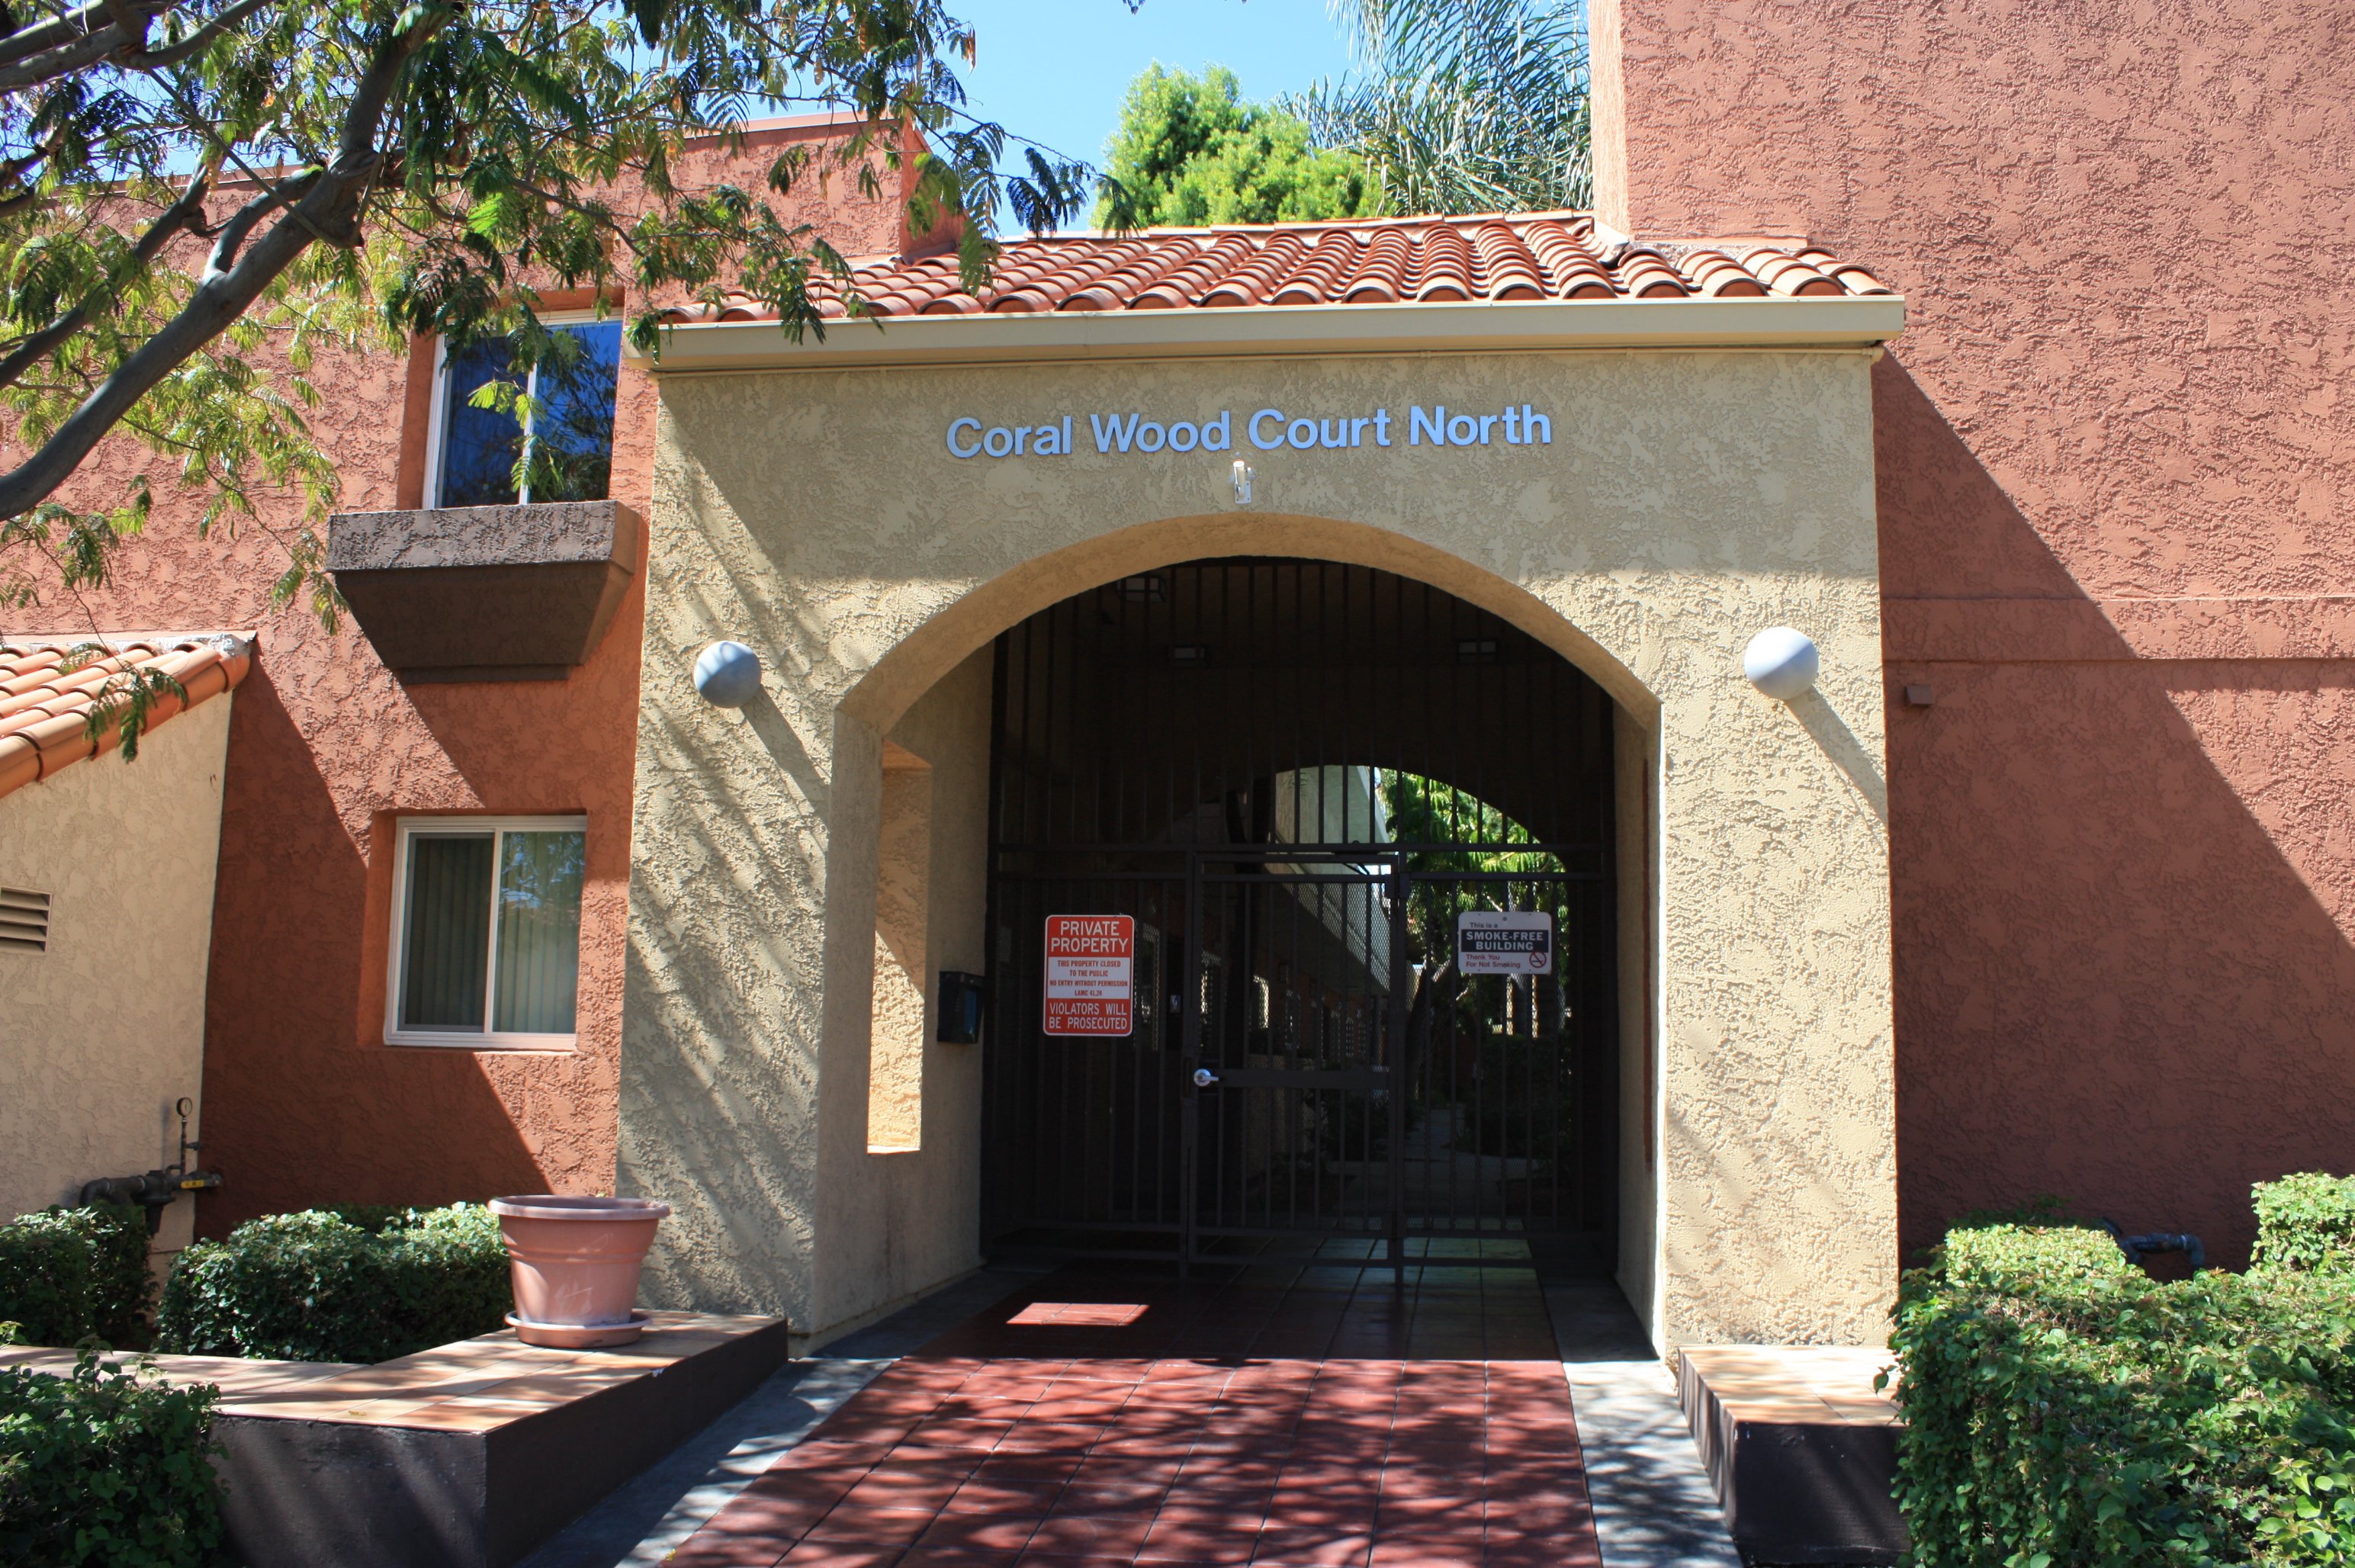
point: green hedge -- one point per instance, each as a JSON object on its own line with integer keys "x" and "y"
{"x": 2063, "y": 1409}
{"x": 102, "y": 1467}
{"x": 2306, "y": 1224}
{"x": 68, "y": 1274}
{"x": 316, "y": 1286}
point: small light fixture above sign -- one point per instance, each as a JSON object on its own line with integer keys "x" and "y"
{"x": 1242, "y": 472}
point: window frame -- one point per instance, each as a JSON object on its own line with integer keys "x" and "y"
{"x": 485, "y": 1038}
{"x": 437, "y": 419}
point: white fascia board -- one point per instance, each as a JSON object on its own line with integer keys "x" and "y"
{"x": 1235, "y": 332}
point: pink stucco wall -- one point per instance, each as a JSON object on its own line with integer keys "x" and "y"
{"x": 2118, "y": 467}
{"x": 304, "y": 1103}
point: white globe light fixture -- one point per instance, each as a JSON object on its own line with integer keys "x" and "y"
{"x": 728, "y": 674}
{"x": 1781, "y": 663}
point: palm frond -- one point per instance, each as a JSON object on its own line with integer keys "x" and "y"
{"x": 1462, "y": 106}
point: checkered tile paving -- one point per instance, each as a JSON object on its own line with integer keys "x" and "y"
{"x": 1094, "y": 1421}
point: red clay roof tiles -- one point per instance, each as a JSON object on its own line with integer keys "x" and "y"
{"x": 48, "y": 690}
{"x": 1524, "y": 256}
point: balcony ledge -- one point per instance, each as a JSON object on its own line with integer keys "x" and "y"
{"x": 520, "y": 593}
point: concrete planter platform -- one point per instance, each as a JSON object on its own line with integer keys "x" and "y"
{"x": 468, "y": 1455}
{"x": 1801, "y": 1447}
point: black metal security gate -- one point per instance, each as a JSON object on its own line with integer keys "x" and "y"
{"x": 1304, "y": 783}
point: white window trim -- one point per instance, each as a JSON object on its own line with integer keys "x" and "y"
{"x": 438, "y": 419}
{"x": 484, "y": 1040}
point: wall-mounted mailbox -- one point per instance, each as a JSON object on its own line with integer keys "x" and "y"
{"x": 961, "y": 999}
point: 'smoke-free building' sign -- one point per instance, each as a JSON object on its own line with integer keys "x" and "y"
{"x": 1504, "y": 942}
{"x": 1090, "y": 974}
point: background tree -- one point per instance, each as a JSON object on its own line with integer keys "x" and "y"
{"x": 183, "y": 182}
{"x": 1189, "y": 151}
{"x": 1462, "y": 106}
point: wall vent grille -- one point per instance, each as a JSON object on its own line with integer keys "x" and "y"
{"x": 23, "y": 920}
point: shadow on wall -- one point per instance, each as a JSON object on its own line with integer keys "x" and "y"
{"x": 2114, "y": 982}
{"x": 1823, "y": 721}
{"x": 692, "y": 1111}
{"x": 298, "y": 1110}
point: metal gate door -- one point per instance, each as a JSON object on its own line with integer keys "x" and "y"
{"x": 1290, "y": 1050}
{"x": 1300, "y": 782}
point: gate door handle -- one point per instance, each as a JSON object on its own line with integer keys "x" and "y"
{"x": 1204, "y": 1078}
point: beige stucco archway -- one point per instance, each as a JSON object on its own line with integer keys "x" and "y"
{"x": 1687, "y": 499}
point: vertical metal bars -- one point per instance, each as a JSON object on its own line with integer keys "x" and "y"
{"x": 1298, "y": 777}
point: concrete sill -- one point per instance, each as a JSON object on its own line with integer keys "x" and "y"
{"x": 486, "y": 593}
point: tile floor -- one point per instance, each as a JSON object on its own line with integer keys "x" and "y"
{"x": 1282, "y": 1416}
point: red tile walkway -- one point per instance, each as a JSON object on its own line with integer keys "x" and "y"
{"x": 1286, "y": 1417}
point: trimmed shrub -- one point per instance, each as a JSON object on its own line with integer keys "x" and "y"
{"x": 2063, "y": 1409}
{"x": 69, "y": 1274}
{"x": 103, "y": 1468}
{"x": 2306, "y": 1224}
{"x": 315, "y": 1287}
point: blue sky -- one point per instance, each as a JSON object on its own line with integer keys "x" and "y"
{"x": 1054, "y": 71}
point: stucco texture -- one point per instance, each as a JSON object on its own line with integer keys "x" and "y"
{"x": 102, "y": 1033}
{"x": 306, "y": 1104}
{"x": 2116, "y": 463}
{"x": 1687, "y": 500}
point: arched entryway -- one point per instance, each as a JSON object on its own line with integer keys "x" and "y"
{"x": 805, "y": 870}
{"x": 1301, "y": 928}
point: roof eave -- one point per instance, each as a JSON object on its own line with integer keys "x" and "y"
{"x": 1248, "y": 330}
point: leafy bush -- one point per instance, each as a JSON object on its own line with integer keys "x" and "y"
{"x": 66, "y": 1273}
{"x": 103, "y": 1468}
{"x": 2063, "y": 1409}
{"x": 2306, "y": 1224}
{"x": 315, "y": 1287}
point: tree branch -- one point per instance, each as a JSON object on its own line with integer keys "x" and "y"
{"x": 181, "y": 214}
{"x": 330, "y": 208}
{"x": 55, "y": 49}
{"x": 48, "y": 34}
{"x": 195, "y": 43}
{"x": 232, "y": 236}
{"x": 63, "y": 60}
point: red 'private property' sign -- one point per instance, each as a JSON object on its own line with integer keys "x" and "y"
{"x": 1090, "y": 974}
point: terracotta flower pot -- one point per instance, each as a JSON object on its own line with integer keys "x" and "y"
{"x": 575, "y": 1264}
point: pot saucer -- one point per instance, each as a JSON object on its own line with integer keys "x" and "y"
{"x": 577, "y": 1335}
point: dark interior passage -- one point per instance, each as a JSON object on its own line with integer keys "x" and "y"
{"x": 1357, "y": 835}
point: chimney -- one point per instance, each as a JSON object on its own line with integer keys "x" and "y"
{"x": 1707, "y": 118}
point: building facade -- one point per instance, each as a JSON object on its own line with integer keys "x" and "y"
{"x": 1996, "y": 349}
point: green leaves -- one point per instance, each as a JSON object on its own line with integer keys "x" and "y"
{"x": 2062, "y": 1408}
{"x": 1189, "y": 151}
{"x": 365, "y": 170}
{"x": 361, "y": 1284}
{"x": 1463, "y": 105}
{"x": 70, "y": 1274}
{"x": 2306, "y": 1224}
{"x": 105, "y": 1467}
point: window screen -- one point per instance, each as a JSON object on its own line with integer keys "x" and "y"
{"x": 540, "y": 932}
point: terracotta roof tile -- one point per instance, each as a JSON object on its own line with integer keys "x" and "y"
{"x": 1501, "y": 257}
{"x": 48, "y": 690}
{"x": 1722, "y": 277}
